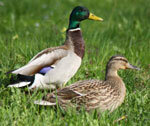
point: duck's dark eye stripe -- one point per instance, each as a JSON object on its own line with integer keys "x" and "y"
{"x": 122, "y": 60}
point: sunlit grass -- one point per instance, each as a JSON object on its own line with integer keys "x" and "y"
{"x": 27, "y": 27}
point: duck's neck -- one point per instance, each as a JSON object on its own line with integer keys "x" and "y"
{"x": 73, "y": 24}
{"x": 75, "y": 41}
{"x": 111, "y": 73}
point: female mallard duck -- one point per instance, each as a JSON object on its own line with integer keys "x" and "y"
{"x": 53, "y": 67}
{"x": 94, "y": 94}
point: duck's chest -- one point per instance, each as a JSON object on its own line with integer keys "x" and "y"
{"x": 119, "y": 98}
{"x": 112, "y": 95}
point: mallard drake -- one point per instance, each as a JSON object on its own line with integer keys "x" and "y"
{"x": 93, "y": 94}
{"x": 53, "y": 67}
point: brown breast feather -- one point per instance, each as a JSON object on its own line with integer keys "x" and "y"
{"x": 75, "y": 39}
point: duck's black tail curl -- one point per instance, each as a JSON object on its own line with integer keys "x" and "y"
{"x": 20, "y": 80}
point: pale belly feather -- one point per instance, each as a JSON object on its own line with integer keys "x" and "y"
{"x": 64, "y": 70}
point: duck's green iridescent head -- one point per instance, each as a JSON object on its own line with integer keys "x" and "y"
{"x": 79, "y": 14}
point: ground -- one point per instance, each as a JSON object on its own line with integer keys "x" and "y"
{"x": 29, "y": 26}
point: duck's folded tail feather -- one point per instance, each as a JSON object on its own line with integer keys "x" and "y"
{"x": 45, "y": 103}
{"x": 20, "y": 84}
{"x": 21, "y": 81}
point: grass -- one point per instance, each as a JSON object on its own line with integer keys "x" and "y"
{"x": 27, "y": 27}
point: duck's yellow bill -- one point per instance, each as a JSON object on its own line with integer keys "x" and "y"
{"x": 93, "y": 17}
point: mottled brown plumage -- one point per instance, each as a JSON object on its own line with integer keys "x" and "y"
{"x": 94, "y": 94}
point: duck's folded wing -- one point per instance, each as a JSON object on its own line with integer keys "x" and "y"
{"x": 68, "y": 94}
{"x": 85, "y": 86}
{"x": 62, "y": 95}
{"x": 88, "y": 101}
{"x": 77, "y": 93}
{"x": 43, "y": 59}
{"x": 78, "y": 89}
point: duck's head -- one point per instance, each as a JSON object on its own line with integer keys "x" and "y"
{"x": 79, "y": 14}
{"x": 120, "y": 62}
